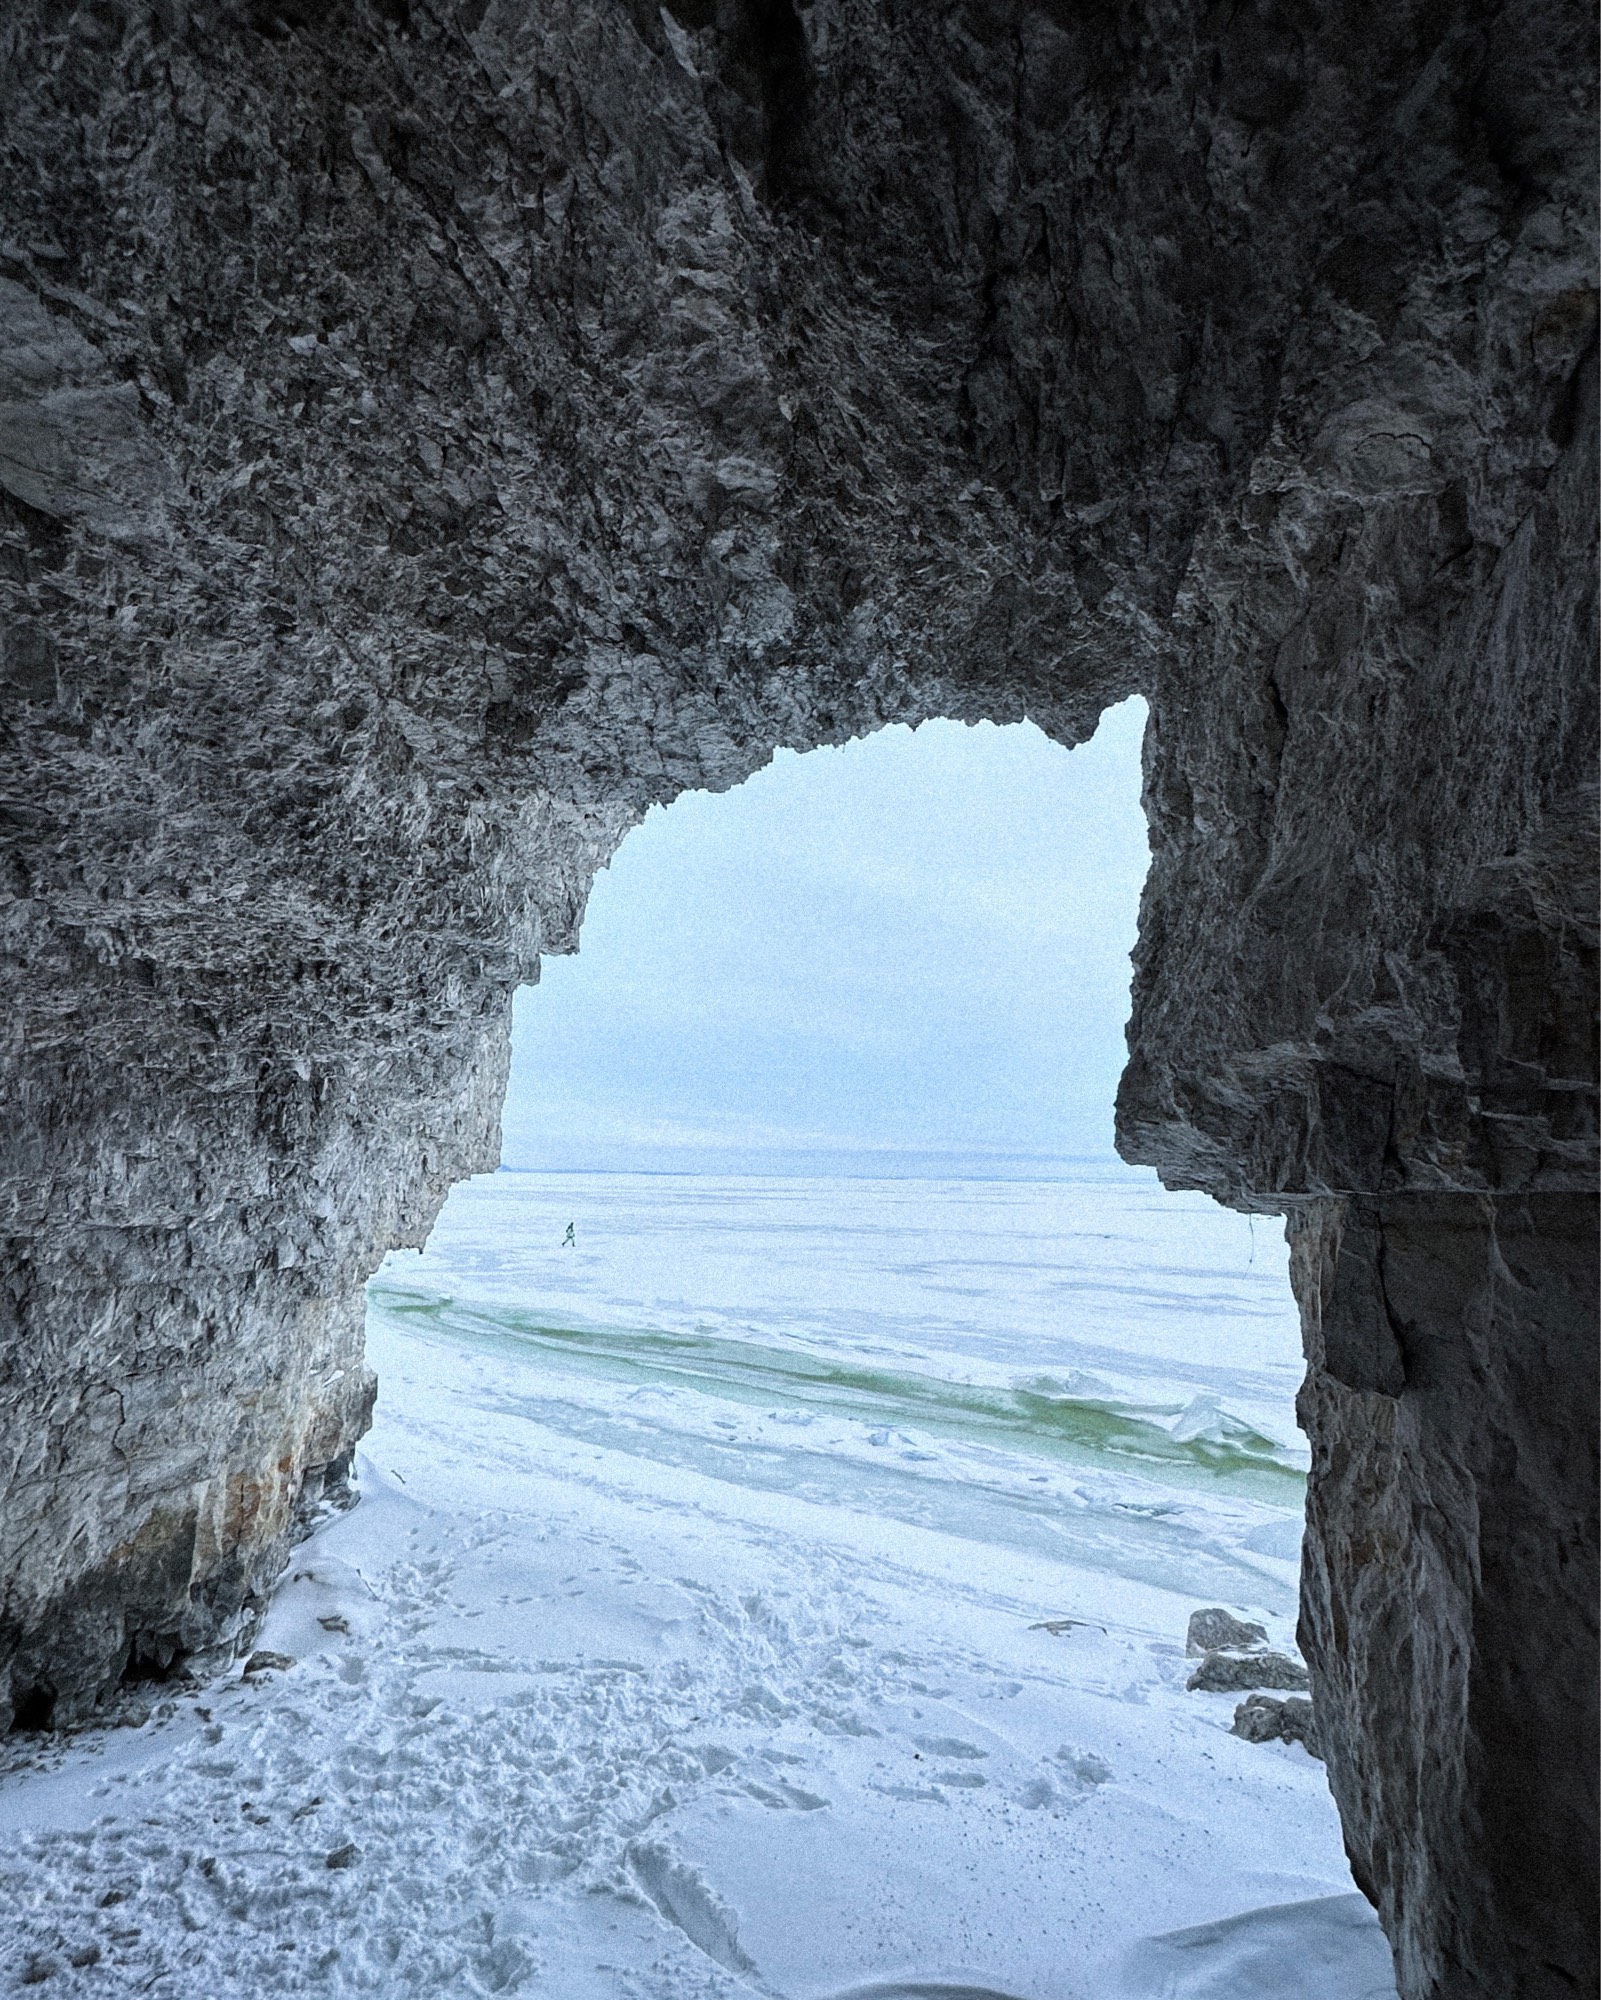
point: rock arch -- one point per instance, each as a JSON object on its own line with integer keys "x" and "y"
{"x": 431, "y": 430}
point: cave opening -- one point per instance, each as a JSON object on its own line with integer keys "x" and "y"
{"x": 881, "y": 1415}
{"x": 33, "y": 1708}
{"x": 155, "y": 1659}
{"x": 886, "y": 972}
{"x": 908, "y": 953}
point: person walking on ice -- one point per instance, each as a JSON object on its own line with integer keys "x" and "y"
{"x": 569, "y": 1241}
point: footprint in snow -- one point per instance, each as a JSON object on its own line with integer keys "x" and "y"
{"x": 684, "y": 1897}
{"x": 948, "y": 1746}
{"x": 786, "y": 1798}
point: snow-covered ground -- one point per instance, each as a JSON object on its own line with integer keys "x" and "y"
{"x": 780, "y": 1592}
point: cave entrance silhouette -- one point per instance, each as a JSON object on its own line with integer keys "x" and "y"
{"x": 781, "y": 1244}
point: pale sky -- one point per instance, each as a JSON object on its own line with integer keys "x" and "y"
{"x": 908, "y": 954}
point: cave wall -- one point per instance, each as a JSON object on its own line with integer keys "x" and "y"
{"x": 1450, "y": 1404}
{"x": 431, "y": 433}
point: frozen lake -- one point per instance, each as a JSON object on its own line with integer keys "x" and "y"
{"x": 778, "y": 1590}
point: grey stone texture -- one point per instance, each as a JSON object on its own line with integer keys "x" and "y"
{"x": 1262, "y": 1718}
{"x": 1227, "y": 1673}
{"x": 433, "y": 430}
{"x": 1216, "y": 1628}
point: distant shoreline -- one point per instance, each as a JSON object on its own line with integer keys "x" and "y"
{"x": 1089, "y": 1170}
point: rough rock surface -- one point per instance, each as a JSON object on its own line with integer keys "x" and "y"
{"x": 431, "y": 430}
{"x": 1262, "y": 1719}
{"x": 1216, "y": 1628}
{"x": 1228, "y": 1673}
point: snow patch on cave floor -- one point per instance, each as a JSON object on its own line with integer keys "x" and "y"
{"x": 584, "y": 1708}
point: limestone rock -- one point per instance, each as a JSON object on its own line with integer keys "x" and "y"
{"x": 1223, "y": 1673}
{"x": 1263, "y": 1719}
{"x": 1215, "y": 1629}
{"x": 264, "y": 1662}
